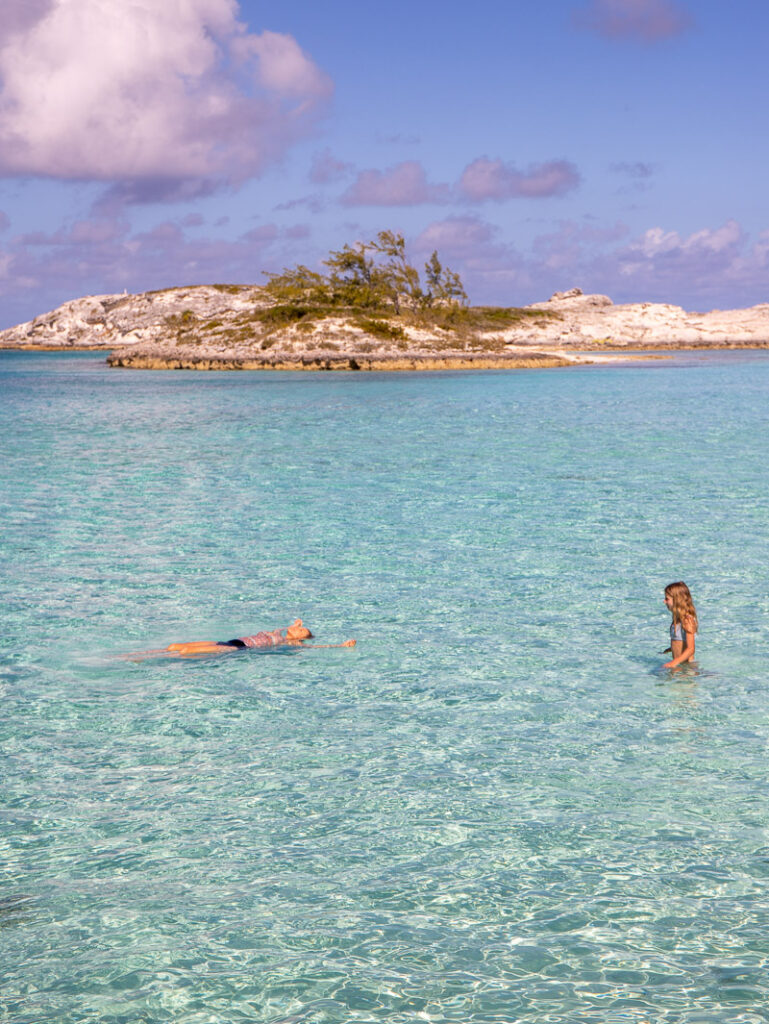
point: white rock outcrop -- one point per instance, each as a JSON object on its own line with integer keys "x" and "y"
{"x": 216, "y": 314}
{"x": 591, "y": 319}
{"x": 109, "y": 321}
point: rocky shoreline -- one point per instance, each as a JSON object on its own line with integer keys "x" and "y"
{"x": 528, "y": 360}
{"x": 231, "y": 327}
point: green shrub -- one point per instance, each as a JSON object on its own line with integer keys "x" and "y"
{"x": 380, "y": 328}
{"x": 285, "y": 314}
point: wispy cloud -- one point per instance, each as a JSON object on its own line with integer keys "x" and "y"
{"x": 326, "y": 168}
{"x": 636, "y": 169}
{"x": 313, "y": 203}
{"x": 40, "y": 270}
{"x": 483, "y": 180}
{"x": 647, "y": 20}
{"x": 571, "y": 241}
{"x": 486, "y": 179}
{"x": 405, "y": 184}
{"x": 456, "y": 236}
{"x": 491, "y": 270}
{"x": 166, "y": 100}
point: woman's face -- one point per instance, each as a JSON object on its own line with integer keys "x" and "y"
{"x": 669, "y": 602}
{"x": 298, "y": 631}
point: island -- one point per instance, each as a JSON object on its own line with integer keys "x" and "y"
{"x": 372, "y": 311}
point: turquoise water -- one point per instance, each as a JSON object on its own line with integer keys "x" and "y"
{"x": 496, "y": 808}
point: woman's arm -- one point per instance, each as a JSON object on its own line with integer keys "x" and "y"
{"x": 347, "y": 643}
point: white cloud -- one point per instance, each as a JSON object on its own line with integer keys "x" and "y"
{"x": 656, "y": 241}
{"x": 149, "y": 91}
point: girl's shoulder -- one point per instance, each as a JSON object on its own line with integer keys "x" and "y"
{"x": 689, "y": 623}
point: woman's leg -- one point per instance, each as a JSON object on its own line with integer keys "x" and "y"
{"x": 194, "y": 647}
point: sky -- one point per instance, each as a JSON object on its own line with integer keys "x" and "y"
{"x": 618, "y": 146}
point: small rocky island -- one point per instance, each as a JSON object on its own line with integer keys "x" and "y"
{"x": 371, "y": 312}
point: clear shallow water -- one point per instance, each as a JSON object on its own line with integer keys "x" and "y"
{"x": 496, "y": 808}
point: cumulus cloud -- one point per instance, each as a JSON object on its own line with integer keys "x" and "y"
{"x": 647, "y": 20}
{"x": 149, "y": 95}
{"x": 18, "y": 15}
{"x": 720, "y": 266}
{"x": 710, "y": 267}
{"x": 485, "y": 179}
{"x": 716, "y": 242}
{"x": 405, "y": 184}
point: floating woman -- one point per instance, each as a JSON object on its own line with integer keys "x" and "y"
{"x": 294, "y": 635}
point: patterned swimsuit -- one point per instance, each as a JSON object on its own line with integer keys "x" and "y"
{"x": 262, "y": 639}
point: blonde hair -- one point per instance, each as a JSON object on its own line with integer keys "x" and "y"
{"x": 683, "y": 606}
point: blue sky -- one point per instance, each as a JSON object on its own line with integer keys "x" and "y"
{"x": 615, "y": 145}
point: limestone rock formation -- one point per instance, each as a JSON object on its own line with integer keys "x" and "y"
{"x": 109, "y": 321}
{"x": 589, "y": 320}
{"x": 230, "y": 326}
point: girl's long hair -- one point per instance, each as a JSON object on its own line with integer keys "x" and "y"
{"x": 683, "y": 606}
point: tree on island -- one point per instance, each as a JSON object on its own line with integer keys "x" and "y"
{"x": 371, "y": 276}
{"x": 373, "y": 286}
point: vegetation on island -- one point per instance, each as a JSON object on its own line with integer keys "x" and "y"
{"x": 370, "y": 287}
{"x": 374, "y": 285}
{"x": 368, "y": 276}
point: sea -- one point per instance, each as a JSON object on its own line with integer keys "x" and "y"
{"x": 498, "y": 807}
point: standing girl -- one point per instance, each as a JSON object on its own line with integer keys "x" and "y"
{"x": 684, "y": 625}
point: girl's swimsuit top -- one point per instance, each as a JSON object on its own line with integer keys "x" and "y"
{"x": 677, "y": 632}
{"x": 271, "y": 639}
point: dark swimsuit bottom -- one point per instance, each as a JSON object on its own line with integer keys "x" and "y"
{"x": 232, "y": 643}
